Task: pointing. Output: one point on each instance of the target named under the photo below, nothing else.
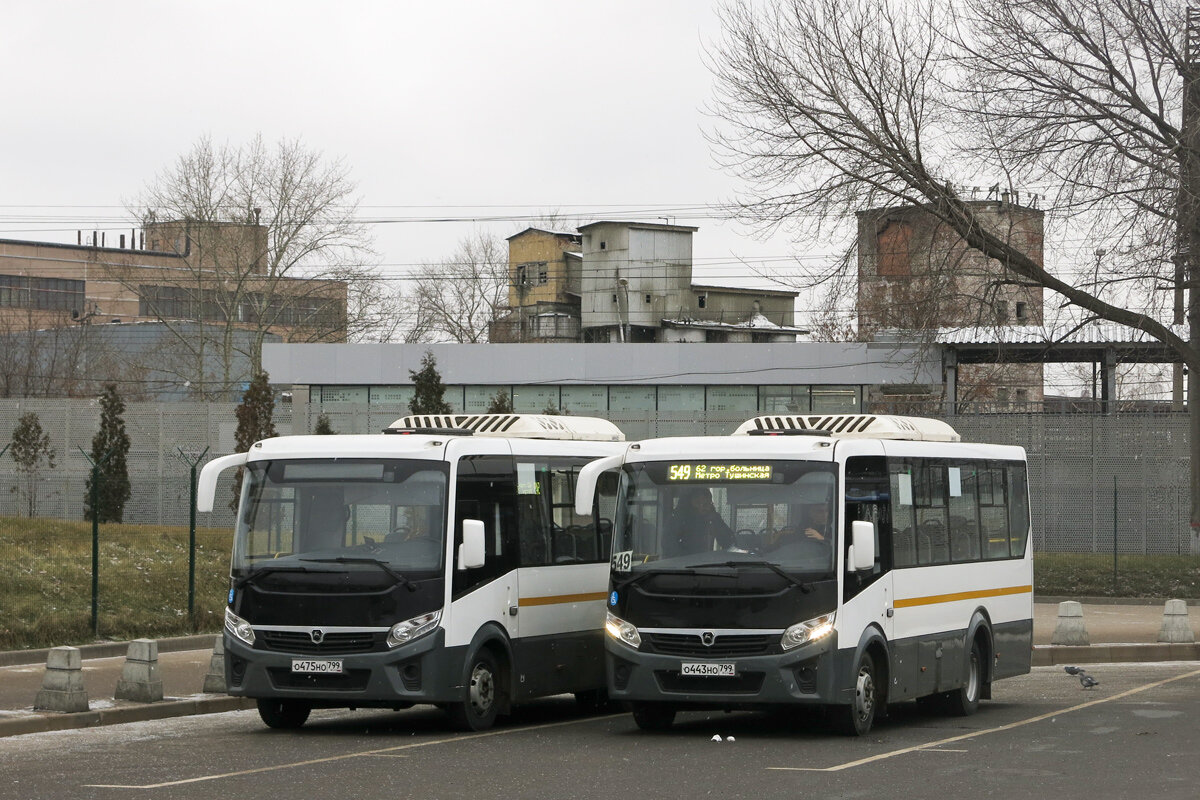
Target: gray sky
(452, 109)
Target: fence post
(1114, 534)
(96, 537)
(192, 529)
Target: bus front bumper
(423, 671)
(805, 675)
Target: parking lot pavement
(1042, 735)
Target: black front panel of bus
(753, 600)
(338, 600)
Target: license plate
(707, 669)
(323, 667)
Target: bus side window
(993, 511)
(964, 512)
(904, 535)
(1018, 509)
(867, 500)
(487, 491)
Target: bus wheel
(856, 718)
(283, 713)
(653, 716)
(964, 702)
(477, 712)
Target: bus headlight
(805, 632)
(405, 632)
(238, 627)
(622, 631)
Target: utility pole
(1189, 244)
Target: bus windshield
(295, 513)
(681, 514)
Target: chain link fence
(1092, 476)
(1105, 486)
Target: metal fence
(1093, 477)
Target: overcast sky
(448, 109)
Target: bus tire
(478, 709)
(283, 714)
(653, 716)
(964, 701)
(856, 719)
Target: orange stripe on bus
(950, 598)
(555, 599)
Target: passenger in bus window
(696, 525)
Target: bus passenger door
(867, 596)
(486, 490)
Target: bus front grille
(331, 644)
(724, 646)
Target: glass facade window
(680, 398)
(475, 399)
(344, 394)
(585, 400)
(535, 399)
(631, 398)
(398, 396)
(733, 398)
(784, 399)
(836, 400)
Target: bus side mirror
(471, 553)
(861, 557)
(206, 485)
(585, 484)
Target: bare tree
(269, 243)
(829, 107)
(457, 299)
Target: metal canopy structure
(1106, 344)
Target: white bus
(841, 561)
(443, 563)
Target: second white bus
(843, 561)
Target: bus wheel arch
(979, 632)
(870, 677)
(486, 681)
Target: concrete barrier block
(62, 686)
(214, 680)
(139, 677)
(1070, 630)
(1176, 627)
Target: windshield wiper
(383, 565)
(802, 585)
(263, 570)
(640, 576)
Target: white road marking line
(381, 752)
(962, 737)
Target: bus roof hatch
(517, 426)
(852, 426)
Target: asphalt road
(1042, 736)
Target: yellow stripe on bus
(950, 598)
(555, 599)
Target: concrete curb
(203, 641)
(41, 722)
(1048, 655)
